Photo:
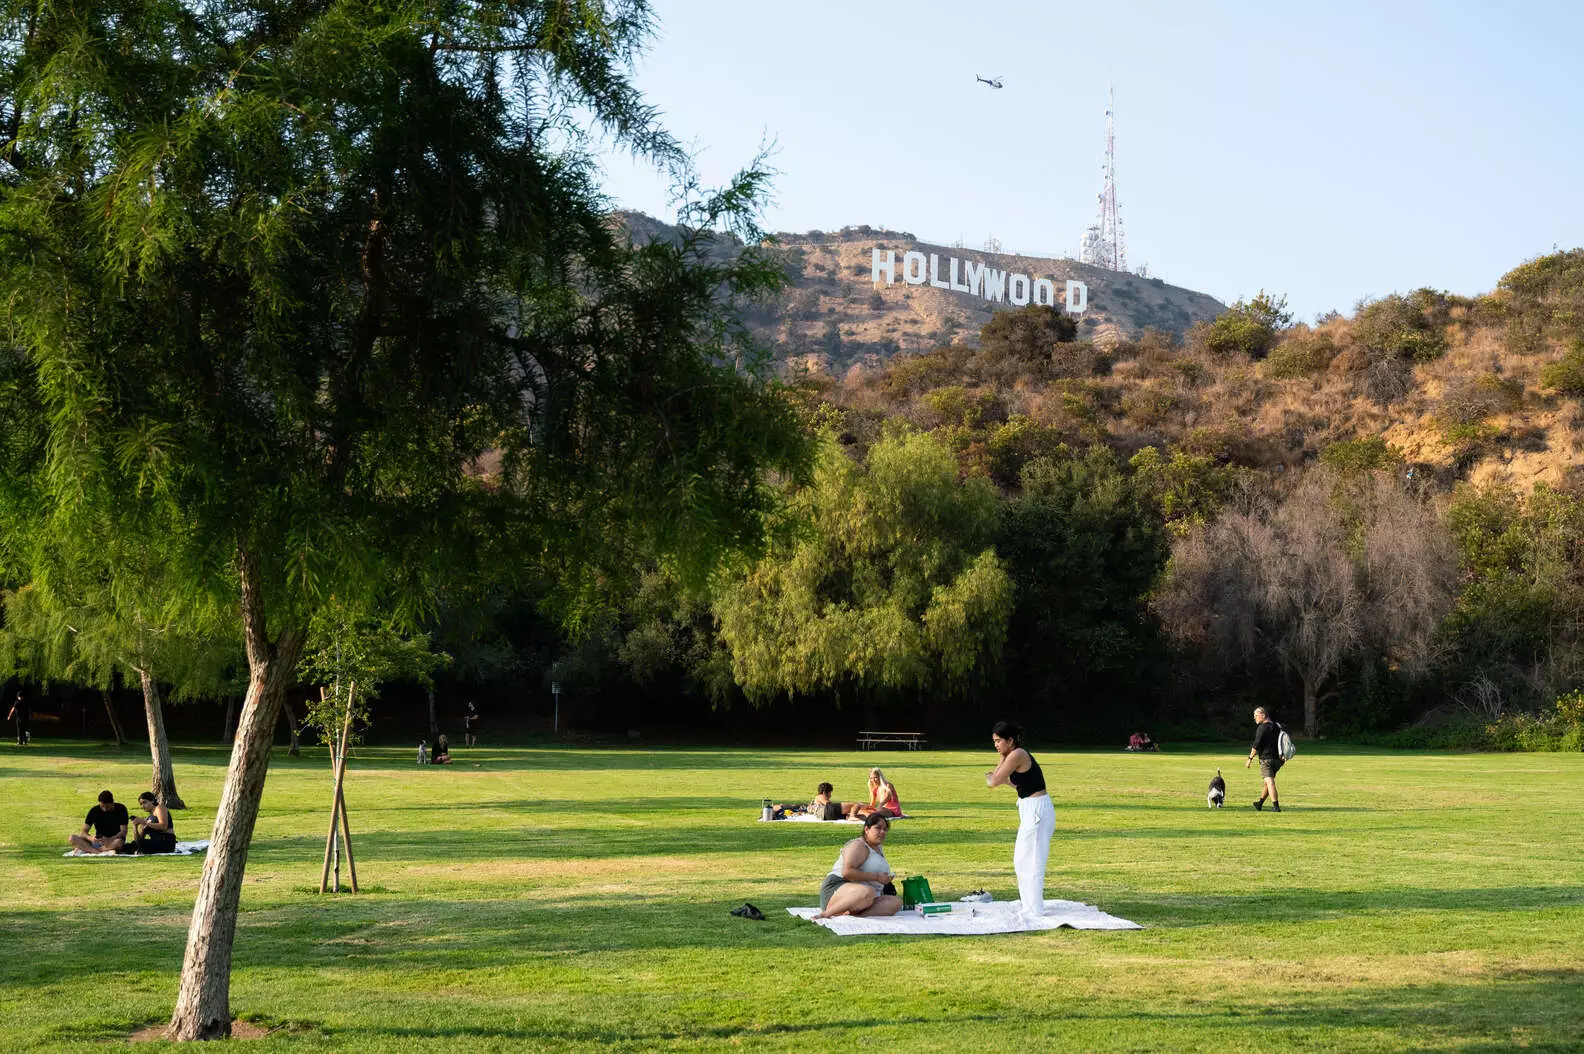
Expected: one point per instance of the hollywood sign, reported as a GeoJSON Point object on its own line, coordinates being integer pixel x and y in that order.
{"type": "Point", "coordinates": [977, 279]}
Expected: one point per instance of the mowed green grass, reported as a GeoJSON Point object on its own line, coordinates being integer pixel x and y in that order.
{"type": "Point", "coordinates": [577, 899]}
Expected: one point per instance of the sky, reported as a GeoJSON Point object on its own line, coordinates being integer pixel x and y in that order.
{"type": "Point", "coordinates": [1324, 151]}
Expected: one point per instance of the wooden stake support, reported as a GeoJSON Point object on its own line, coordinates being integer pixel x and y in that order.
{"type": "Point", "coordinates": [338, 811]}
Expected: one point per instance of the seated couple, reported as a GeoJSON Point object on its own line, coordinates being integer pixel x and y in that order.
{"type": "Point", "coordinates": [882, 799]}
{"type": "Point", "coordinates": [1141, 741]}
{"type": "Point", "coordinates": [861, 881]}
{"type": "Point", "coordinates": [108, 823]}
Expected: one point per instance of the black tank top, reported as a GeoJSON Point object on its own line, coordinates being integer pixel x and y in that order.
{"type": "Point", "coordinates": [1029, 782]}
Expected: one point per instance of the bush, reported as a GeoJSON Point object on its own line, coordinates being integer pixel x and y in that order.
{"type": "Point", "coordinates": [1301, 355]}
{"type": "Point", "coordinates": [1472, 401]}
{"type": "Point", "coordinates": [1246, 328]}
{"type": "Point", "coordinates": [1360, 455]}
{"type": "Point", "coordinates": [1148, 407]}
{"type": "Point", "coordinates": [1542, 300]}
{"type": "Point", "coordinates": [1559, 727]}
{"type": "Point", "coordinates": [1566, 375]}
{"type": "Point", "coordinates": [1410, 328]}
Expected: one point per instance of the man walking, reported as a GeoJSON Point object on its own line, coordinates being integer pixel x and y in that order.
{"type": "Point", "coordinates": [1266, 736]}
{"type": "Point", "coordinates": [22, 714]}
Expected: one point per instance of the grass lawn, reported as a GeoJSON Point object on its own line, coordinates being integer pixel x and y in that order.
{"type": "Point", "coordinates": [577, 899]}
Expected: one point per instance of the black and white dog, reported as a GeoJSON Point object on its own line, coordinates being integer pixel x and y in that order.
{"type": "Point", "coordinates": [1217, 793]}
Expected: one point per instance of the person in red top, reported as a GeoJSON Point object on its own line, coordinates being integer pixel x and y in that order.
{"type": "Point", "coordinates": [882, 796]}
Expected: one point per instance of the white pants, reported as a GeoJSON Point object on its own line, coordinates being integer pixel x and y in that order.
{"type": "Point", "coordinates": [1036, 824]}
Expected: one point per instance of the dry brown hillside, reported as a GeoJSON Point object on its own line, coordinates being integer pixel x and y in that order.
{"type": "Point", "coordinates": [833, 314]}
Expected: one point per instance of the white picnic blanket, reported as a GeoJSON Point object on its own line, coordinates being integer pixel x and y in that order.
{"type": "Point", "coordinates": [1000, 916]}
{"type": "Point", "coordinates": [803, 817]}
{"type": "Point", "coordinates": [182, 849]}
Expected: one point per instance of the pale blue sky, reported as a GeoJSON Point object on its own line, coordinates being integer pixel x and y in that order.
{"type": "Point", "coordinates": [1325, 151]}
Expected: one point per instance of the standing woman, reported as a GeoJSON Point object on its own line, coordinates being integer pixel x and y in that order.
{"type": "Point", "coordinates": [1036, 813]}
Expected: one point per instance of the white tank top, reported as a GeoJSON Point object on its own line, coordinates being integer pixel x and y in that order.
{"type": "Point", "coordinates": [875, 862]}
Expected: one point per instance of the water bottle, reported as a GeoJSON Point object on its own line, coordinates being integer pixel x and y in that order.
{"type": "Point", "coordinates": [768, 813]}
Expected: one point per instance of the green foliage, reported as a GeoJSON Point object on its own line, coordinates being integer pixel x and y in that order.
{"type": "Point", "coordinates": [891, 583]}
{"type": "Point", "coordinates": [1084, 546]}
{"type": "Point", "coordinates": [1566, 375]}
{"type": "Point", "coordinates": [1186, 488]}
{"type": "Point", "coordinates": [1300, 355]}
{"type": "Point", "coordinates": [1557, 727]}
{"type": "Point", "coordinates": [1542, 300]}
{"type": "Point", "coordinates": [1029, 334]}
{"type": "Point", "coordinates": [1518, 619]}
{"type": "Point", "coordinates": [1148, 407]}
{"type": "Point", "coordinates": [352, 655]}
{"type": "Point", "coordinates": [1248, 328]}
{"type": "Point", "coordinates": [1017, 441]}
{"type": "Point", "coordinates": [1360, 456]}
{"type": "Point", "coordinates": [1408, 328]}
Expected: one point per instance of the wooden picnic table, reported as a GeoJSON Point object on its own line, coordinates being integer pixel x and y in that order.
{"type": "Point", "coordinates": [871, 740]}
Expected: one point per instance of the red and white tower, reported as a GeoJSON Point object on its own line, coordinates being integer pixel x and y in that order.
{"type": "Point", "coordinates": [1102, 242]}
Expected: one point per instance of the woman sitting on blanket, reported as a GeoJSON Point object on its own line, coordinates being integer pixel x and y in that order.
{"type": "Point", "coordinates": [857, 881]}
{"type": "Point", "coordinates": [155, 833]}
{"type": "Point", "coordinates": [882, 797]}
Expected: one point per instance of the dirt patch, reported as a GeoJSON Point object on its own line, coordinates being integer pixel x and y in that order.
{"type": "Point", "coordinates": [239, 1030]}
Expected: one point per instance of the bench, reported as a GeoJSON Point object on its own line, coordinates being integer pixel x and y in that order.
{"type": "Point", "coordinates": [871, 740]}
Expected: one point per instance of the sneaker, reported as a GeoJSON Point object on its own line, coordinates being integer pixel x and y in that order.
{"type": "Point", "coordinates": [1259, 806]}
{"type": "Point", "coordinates": [748, 911]}
{"type": "Point", "coordinates": [1275, 807]}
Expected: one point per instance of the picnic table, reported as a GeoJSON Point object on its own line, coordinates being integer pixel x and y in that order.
{"type": "Point", "coordinates": [871, 740]}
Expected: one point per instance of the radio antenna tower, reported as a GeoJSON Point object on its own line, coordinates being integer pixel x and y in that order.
{"type": "Point", "coordinates": [1102, 243]}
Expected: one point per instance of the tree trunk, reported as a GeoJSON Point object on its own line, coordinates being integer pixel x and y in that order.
{"type": "Point", "coordinates": [434, 721]}
{"type": "Point", "coordinates": [164, 777]}
{"type": "Point", "coordinates": [291, 727]}
{"type": "Point", "coordinates": [1311, 709]}
{"type": "Point", "coordinates": [203, 1003]}
{"type": "Point", "coordinates": [228, 733]}
{"type": "Point", "coordinates": [115, 719]}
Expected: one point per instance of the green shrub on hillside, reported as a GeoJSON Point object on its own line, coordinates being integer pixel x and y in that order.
{"type": "Point", "coordinates": [1147, 407]}
{"type": "Point", "coordinates": [1410, 328]}
{"type": "Point", "coordinates": [1542, 300]}
{"type": "Point", "coordinates": [1300, 355]}
{"type": "Point", "coordinates": [1246, 328]}
{"type": "Point", "coordinates": [1566, 375]}
{"type": "Point", "coordinates": [1559, 727]}
{"type": "Point", "coordinates": [1360, 455]}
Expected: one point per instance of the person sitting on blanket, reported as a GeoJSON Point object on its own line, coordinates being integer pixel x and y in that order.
{"type": "Point", "coordinates": [442, 751]}
{"type": "Point", "coordinates": [821, 808]}
{"type": "Point", "coordinates": [882, 797]}
{"type": "Point", "coordinates": [108, 820]}
{"type": "Point", "coordinates": [155, 833]}
{"type": "Point", "coordinates": [857, 881]}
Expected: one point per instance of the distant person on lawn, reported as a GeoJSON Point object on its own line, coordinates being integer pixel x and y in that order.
{"type": "Point", "coordinates": [857, 881]}
{"type": "Point", "coordinates": [108, 822]}
{"type": "Point", "coordinates": [155, 832]}
{"type": "Point", "coordinates": [1264, 749]}
{"type": "Point", "coordinates": [22, 715]}
{"type": "Point", "coordinates": [882, 797]}
{"type": "Point", "coordinates": [470, 725]}
{"type": "Point", "coordinates": [442, 751]}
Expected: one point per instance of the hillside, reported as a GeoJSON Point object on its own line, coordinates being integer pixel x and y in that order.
{"type": "Point", "coordinates": [1483, 389]}
{"type": "Point", "coordinates": [833, 314]}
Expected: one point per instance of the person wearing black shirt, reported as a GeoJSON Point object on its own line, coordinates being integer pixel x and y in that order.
{"type": "Point", "coordinates": [1036, 813]}
{"type": "Point", "coordinates": [470, 725]}
{"type": "Point", "coordinates": [108, 822]}
{"type": "Point", "coordinates": [22, 714]}
{"type": "Point", "coordinates": [1266, 735]}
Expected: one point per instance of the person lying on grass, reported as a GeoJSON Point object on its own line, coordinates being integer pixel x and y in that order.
{"type": "Point", "coordinates": [821, 807]}
{"type": "Point", "coordinates": [857, 881]}
{"type": "Point", "coordinates": [155, 832]}
{"type": "Point", "coordinates": [108, 821]}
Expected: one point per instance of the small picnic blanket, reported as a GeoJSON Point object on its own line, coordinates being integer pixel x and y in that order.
{"type": "Point", "coordinates": [1000, 916]}
{"type": "Point", "coordinates": [803, 817]}
{"type": "Point", "coordinates": [182, 849]}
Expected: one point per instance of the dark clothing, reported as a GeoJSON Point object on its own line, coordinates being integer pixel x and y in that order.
{"type": "Point", "coordinates": [1028, 782]}
{"type": "Point", "coordinates": [22, 715]}
{"type": "Point", "coordinates": [831, 810]}
{"type": "Point", "coordinates": [828, 888]}
{"type": "Point", "coordinates": [157, 842]}
{"type": "Point", "coordinates": [1265, 736]}
{"type": "Point", "coordinates": [1270, 766]}
{"type": "Point", "coordinates": [107, 823]}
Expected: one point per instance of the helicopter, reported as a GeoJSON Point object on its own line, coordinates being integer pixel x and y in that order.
{"type": "Point", "coordinates": [994, 82]}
